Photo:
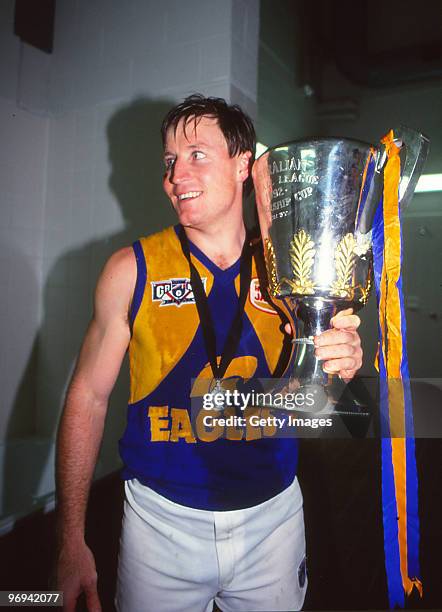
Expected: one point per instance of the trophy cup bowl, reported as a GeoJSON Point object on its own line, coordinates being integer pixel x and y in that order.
{"type": "Point", "coordinates": [316, 203]}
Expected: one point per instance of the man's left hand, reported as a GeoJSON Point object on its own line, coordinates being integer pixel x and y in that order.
{"type": "Point", "coordinates": [340, 347]}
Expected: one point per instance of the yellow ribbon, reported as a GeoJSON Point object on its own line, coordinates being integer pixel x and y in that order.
{"type": "Point", "coordinates": [390, 323]}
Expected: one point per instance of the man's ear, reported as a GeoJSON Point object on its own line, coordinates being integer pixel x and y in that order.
{"type": "Point", "coordinates": [244, 165]}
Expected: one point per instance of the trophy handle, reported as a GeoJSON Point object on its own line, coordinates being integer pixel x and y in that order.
{"type": "Point", "coordinates": [414, 151]}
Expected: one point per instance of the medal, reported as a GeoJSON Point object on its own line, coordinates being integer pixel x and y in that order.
{"type": "Point", "coordinates": [208, 329]}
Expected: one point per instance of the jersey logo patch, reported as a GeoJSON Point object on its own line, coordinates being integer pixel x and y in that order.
{"type": "Point", "coordinates": [174, 291]}
{"type": "Point", "coordinates": [257, 299]}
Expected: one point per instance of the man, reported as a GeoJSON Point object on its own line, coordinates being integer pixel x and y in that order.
{"type": "Point", "coordinates": [204, 521]}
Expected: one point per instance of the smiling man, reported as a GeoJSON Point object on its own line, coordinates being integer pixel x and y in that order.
{"type": "Point", "coordinates": [203, 521]}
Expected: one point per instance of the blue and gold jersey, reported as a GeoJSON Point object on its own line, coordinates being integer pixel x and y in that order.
{"type": "Point", "coordinates": [159, 446]}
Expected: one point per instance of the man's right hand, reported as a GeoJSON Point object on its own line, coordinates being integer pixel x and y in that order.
{"type": "Point", "coordinates": [77, 574]}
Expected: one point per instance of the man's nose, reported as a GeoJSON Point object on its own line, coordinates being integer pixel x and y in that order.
{"type": "Point", "coordinates": [180, 172]}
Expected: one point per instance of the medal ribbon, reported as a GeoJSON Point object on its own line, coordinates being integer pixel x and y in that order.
{"type": "Point", "coordinates": [399, 472]}
{"type": "Point", "coordinates": [202, 305]}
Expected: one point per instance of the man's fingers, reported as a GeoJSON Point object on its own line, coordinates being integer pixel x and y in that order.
{"type": "Point", "coordinates": [343, 365]}
{"type": "Point", "coordinates": [333, 337]}
{"type": "Point", "coordinates": [345, 319]}
{"type": "Point", "coordinates": [342, 313]}
{"type": "Point", "coordinates": [69, 602]}
{"type": "Point", "coordinates": [336, 351]}
{"type": "Point", "coordinates": [339, 348]}
{"type": "Point", "coordinates": [92, 599]}
{"type": "Point", "coordinates": [350, 321]}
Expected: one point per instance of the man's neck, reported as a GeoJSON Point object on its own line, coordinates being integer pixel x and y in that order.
{"type": "Point", "coordinates": [222, 246]}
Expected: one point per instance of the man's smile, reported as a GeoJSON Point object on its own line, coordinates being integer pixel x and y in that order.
{"type": "Point", "coordinates": [188, 195]}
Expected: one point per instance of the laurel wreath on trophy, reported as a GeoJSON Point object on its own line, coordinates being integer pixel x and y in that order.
{"type": "Point", "coordinates": [302, 256]}
{"type": "Point", "coordinates": [345, 255]}
{"type": "Point", "coordinates": [344, 262]}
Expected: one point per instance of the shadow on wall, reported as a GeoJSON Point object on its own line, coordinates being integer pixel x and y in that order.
{"type": "Point", "coordinates": [19, 424]}
{"type": "Point", "coordinates": [134, 146]}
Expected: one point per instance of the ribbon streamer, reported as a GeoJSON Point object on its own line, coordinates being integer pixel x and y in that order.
{"type": "Point", "coordinates": [399, 472]}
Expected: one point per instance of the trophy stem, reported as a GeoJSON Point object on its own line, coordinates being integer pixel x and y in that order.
{"type": "Point", "coordinates": [309, 317]}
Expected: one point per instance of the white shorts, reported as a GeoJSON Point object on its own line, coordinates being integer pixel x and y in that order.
{"type": "Point", "coordinates": [175, 558]}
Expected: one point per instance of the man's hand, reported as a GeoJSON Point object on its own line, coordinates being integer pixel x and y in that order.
{"type": "Point", "coordinates": [76, 574]}
{"type": "Point", "coordinates": [340, 347]}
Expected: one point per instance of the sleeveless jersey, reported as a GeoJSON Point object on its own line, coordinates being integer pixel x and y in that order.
{"type": "Point", "coordinates": [159, 446]}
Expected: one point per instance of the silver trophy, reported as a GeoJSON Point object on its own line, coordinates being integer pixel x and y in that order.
{"type": "Point", "coordinates": [316, 203]}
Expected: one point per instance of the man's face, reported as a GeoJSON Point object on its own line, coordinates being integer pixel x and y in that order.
{"type": "Point", "coordinates": [203, 183]}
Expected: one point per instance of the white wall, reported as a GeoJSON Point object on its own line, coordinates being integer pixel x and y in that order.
{"type": "Point", "coordinates": [22, 176]}
{"type": "Point", "coordinates": [89, 181]}
{"type": "Point", "coordinates": [23, 157]}
{"type": "Point", "coordinates": [24, 129]}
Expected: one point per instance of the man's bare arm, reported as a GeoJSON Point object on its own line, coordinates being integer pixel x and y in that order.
{"type": "Point", "coordinates": [82, 423]}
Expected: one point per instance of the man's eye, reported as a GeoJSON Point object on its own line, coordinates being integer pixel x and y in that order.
{"type": "Point", "coordinates": [198, 155]}
{"type": "Point", "coordinates": [169, 162]}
